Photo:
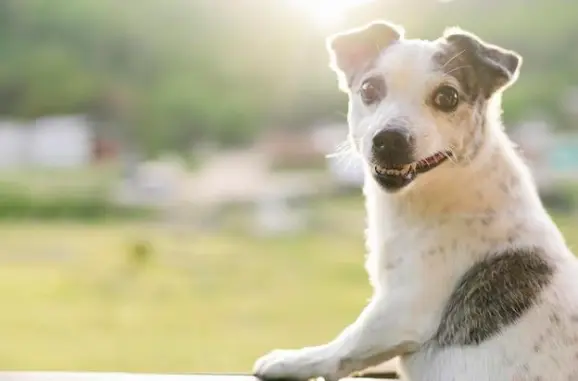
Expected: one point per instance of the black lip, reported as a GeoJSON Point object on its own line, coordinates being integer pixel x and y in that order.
{"type": "Point", "coordinates": [393, 183]}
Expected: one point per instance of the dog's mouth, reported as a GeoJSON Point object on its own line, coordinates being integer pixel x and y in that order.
{"type": "Point", "coordinates": [396, 177]}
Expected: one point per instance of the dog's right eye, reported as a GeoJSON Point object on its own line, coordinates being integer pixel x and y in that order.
{"type": "Point", "coordinates": [372, 90]}
{"type": "Point", "coordinates": [446, 98]}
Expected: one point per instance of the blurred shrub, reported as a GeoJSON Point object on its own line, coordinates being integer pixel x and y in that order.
{"type": "Point", "coordinates": [561, 197]}
{"type": "Point", "coordinates": [16, 202]}
{"type": "Point", "coordinates": [166, 74]}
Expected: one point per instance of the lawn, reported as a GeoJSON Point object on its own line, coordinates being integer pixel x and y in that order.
{"type": "Point", "coordinates": [72, 299]}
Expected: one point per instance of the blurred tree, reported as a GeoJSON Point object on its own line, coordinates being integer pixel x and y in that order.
{"type": "Point", "coordinates": [166, 73]}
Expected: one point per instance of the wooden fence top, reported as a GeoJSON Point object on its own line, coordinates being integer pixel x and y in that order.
{"type": "Point", "coordinates": [105, 376]}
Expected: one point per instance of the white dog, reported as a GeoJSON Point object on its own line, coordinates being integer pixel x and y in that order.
{"type": "Point", "coordinates": [473, 281]}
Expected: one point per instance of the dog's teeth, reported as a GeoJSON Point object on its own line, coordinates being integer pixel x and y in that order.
{"type": "Point", "coordinates": [409, 171]}
{"type": "Point", "coordinates": [388, 171]}
{"type": "Point", "coordinates": [381, 170]}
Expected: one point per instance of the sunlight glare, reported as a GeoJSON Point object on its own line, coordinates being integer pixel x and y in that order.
{"type": "Point", "coordinates": [326, 13]}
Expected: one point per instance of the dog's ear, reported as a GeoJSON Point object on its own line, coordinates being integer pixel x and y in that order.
{"type": "Point", "coordinates": [351, 51]}
{"type": "Point", "coordinates": [495, 67]}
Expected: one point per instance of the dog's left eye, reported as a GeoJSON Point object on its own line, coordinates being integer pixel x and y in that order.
{"type": "Point", "coordinates": [372, 90]}
{"type": "Point", "coordinates": [446, 98]}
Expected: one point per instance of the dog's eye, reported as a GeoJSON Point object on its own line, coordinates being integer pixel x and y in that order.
{"type": "Point", "coordinates": [446, 98]}
{"type": "Point", "coordinates": [372, 90]}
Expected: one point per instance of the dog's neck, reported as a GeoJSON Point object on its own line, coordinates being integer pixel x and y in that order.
{"type": "Point", "coordinates": [496, 180]}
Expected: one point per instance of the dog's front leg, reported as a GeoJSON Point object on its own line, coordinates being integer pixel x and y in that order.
{"type": "Point", "coordinates": [383, 330]}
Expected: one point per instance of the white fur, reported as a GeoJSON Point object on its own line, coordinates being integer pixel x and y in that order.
{"type": "Point", "coordinates": [419, 246]}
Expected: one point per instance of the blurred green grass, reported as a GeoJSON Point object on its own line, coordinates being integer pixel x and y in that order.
{"type": "Point", "coordinates": [206, 302]}
{"type": "Point", "coordinates": [54, 181]}
{"type": "Point", "coordinates": [72, 300]}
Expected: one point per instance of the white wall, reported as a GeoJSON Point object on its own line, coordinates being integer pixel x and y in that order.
{"type": "Point", "coordinates": [12, 145]}
{"type": "Point", "coordinates": [47, 142]}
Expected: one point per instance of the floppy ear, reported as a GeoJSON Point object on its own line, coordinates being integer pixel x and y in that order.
{"type": "Point", "coordinates": [495, 67]}
{"type": "Point", "coordinates": [351, 51]}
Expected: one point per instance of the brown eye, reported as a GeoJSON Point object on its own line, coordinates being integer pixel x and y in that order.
{"type": "Point", "coordinates": [446, 98]}
{"type": "Point", "coordinates": [372, 90]}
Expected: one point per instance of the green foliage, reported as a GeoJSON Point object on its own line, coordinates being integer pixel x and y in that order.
{"type": "Point", "coordinates": [169, 73]}
{"type": "Point", "coordinates": [17, 203]}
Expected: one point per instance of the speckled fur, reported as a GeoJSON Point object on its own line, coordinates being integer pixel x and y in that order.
{"type": "Point", "coordinates": [472, 279]}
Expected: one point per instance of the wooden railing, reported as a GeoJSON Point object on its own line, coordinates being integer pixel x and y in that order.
{"type": "Point", "coordinates": [103, 376]}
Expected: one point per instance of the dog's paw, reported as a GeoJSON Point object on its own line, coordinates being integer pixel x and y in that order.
{"type": "Point", "coordinates": [299, 365]}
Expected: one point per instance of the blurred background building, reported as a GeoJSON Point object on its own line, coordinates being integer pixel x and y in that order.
{"type": "Point", "coordinates": [176, 189]}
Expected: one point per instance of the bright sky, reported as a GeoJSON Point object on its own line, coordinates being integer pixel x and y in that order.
{"type": "Point", "coordinates": [326, 13]}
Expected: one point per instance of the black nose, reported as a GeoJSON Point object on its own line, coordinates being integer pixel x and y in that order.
{"type": "Point", "coordinates": [393, 146]}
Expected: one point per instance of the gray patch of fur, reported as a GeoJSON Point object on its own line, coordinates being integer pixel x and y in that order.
{"type": "Point", "coordinates": [480, 68]}
{"type": "Point", "coordinates": [492, 295]}
{"type": "Point", "coordinates": [455, 63]}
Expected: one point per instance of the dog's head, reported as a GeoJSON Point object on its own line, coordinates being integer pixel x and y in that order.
{"type": "Point", "coordinates": [416, 105]}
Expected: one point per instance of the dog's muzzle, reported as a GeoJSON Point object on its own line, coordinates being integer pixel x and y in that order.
{"type": "Point", "coordinates": [392, 147]}
{"type": "Point", "coordinates": [394, 164]}
{"type": "Point", "coordinates": [392, 151]}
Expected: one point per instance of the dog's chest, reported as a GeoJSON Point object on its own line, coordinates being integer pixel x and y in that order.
{"type": "Point", "coordinates": [430, 254]}
{"type": "Point", "coordinates": [400, 250]}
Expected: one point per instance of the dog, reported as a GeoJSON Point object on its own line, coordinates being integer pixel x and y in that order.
{"type": "Point", "coordinates": [472, 279]}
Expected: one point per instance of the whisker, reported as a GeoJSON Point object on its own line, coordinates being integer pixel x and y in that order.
{"type": "Point", "coordinates": [342, 114]}
{"type": "Point", "coordinates": [453, 58]}
{"type": "Point", "coordinates": [457, 68]}
{"type": "Point", "coordinates": [453, 155]}
{"type": "Point", "coordinates": [341, 149]}
{"type": "Point", "coordinates": [345, 153]}
{"type": "Point", "coordinates": [447, 155]}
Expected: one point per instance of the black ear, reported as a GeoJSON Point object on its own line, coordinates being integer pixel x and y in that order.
{"type": "Point", "coordinates": [351, 51]}
{"type": "Point", "coordinates": [494, 68]}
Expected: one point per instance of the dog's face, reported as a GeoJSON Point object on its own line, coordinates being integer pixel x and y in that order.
{"type": "Point", "coordinates": [417, 105]}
